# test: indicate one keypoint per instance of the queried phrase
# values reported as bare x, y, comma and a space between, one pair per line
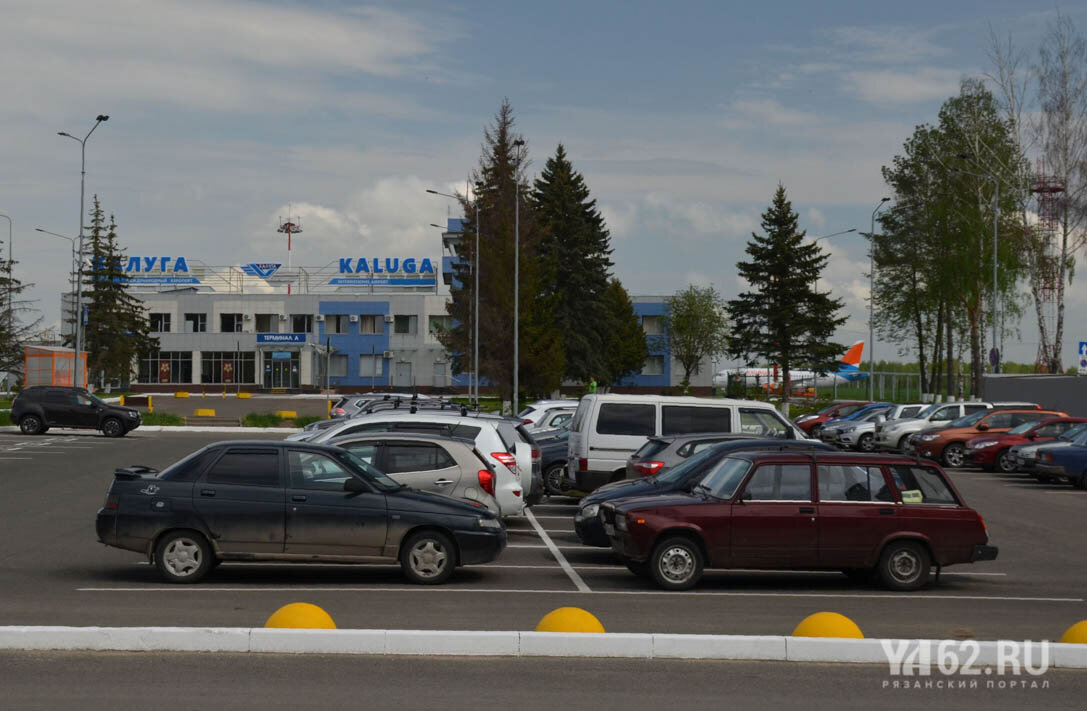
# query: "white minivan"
607, 429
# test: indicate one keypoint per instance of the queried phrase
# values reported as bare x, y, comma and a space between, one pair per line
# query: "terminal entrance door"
281, 370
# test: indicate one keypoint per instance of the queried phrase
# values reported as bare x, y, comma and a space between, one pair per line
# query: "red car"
891, 516
811, 424
993, 451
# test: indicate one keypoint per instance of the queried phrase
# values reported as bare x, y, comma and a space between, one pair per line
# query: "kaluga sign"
388, 265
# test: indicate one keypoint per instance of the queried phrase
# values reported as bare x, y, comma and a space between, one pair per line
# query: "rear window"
466, 431
403, 457
847, 482
922, 485
510, 435
579, 415
626, 419
246, 467
697, 446
190, 468
649, 449
687, 419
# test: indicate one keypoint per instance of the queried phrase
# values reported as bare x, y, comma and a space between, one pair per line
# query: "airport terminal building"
360, 322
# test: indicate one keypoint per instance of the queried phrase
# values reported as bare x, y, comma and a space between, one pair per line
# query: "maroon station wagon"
892, 516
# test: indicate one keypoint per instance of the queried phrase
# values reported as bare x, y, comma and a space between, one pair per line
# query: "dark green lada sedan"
290, 502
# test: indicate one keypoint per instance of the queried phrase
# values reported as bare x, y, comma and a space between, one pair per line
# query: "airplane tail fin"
852, 358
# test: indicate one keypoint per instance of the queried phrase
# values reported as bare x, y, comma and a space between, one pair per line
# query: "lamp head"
102, 117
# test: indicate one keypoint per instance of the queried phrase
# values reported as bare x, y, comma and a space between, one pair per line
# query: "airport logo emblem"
261, 270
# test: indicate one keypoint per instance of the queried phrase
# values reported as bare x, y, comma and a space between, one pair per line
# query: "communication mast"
290, 227
1049, 192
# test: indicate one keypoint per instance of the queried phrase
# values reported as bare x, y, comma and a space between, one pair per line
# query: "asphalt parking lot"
53, 570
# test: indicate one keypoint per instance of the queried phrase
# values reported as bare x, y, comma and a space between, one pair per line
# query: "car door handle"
886, 512
207, 492
443, 482
807, 509
298, 497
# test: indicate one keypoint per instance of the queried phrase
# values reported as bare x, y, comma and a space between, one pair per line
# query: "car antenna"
464, 411
386, 396
396, 405
414, 409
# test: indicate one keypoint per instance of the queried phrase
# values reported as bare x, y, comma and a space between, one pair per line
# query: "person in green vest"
592, 385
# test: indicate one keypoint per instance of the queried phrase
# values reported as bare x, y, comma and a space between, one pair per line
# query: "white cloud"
890, 44
816, 217
771, 111
902, 87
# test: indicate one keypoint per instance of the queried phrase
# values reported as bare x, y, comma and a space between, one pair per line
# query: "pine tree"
495, 187
784, 319
574, 251
624, 344
117, 332
15, 326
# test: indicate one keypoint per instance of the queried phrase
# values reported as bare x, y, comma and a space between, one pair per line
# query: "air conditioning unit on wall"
388, 318
283, 317
247, 317
387, 354
320, 318
354, 318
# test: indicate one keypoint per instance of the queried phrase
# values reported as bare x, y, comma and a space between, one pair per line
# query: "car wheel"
954, 454
183, 556
1081, 483
676, 564
904, 566
428, 558
554, 478
112, 427
902, 442
866, 443
1005, 462
639, 568
861, 576
31, 425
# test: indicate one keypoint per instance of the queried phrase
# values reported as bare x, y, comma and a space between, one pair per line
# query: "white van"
607, 429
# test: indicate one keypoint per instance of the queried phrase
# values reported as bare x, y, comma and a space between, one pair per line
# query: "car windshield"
970, 419
379, 479
680, 472
1023, 428
722, 482
927, 411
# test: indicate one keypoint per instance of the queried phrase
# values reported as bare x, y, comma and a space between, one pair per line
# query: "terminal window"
166, 367
301, 323
440, 324
267, 323
337, 365
371, 366
371, 324
160, 323
654, 365
196, 323
405, 324
653, 325
230, 323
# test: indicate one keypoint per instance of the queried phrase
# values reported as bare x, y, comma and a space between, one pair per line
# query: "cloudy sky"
683, 117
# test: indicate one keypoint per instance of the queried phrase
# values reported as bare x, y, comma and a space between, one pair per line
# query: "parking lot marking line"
574, 577
689, 593
1069, 491
527, 532
23, 458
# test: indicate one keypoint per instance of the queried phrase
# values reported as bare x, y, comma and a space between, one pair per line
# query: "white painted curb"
492, 644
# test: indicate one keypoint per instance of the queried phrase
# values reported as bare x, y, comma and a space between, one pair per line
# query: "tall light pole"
71, 270
872, 302
475, 319
11, 268
516, 274
79, 269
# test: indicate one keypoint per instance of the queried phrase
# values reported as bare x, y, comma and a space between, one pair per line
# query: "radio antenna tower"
291, 227
1049, 191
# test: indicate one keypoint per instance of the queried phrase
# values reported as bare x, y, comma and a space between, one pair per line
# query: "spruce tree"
784, 318
624, 343
117, 332
575, 255
495, 186
16, 325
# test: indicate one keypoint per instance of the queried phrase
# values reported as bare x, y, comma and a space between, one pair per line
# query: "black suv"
38, 408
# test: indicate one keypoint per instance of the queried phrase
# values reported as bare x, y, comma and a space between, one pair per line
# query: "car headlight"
493, 523
621, 523
590, 511
982, 445
131, 414
928, 437
846, 430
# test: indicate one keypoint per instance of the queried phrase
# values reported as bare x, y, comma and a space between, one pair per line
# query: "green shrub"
261, 419
5, 419
162, 418
307, 420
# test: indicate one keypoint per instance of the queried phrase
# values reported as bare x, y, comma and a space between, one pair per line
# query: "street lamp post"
11, 268
71, 270
79, 270
516, 276
872, 302
475, 320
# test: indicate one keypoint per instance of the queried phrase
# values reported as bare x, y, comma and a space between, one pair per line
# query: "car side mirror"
355, 486
983, 427
1032, 436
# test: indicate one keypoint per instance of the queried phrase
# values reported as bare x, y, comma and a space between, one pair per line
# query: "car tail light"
486, 481
583, 465
339, 411
527, 421
1045, 457
113, 502
981, 520
506, 458
648, 468
535, 454
517, 493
